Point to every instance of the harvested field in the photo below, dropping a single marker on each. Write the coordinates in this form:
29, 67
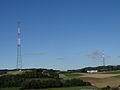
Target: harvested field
99, 75
101, 80
105, 82
96, 79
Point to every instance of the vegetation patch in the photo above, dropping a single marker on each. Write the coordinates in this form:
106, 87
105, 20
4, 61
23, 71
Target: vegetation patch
36, 84
40, 79
118, 76
70, 75
12, 88
68, 88
89, 78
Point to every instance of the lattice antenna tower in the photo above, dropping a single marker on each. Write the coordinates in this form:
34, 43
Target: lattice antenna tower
103, 57
19, 56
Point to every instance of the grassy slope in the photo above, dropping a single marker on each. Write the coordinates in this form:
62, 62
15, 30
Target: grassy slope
70, 75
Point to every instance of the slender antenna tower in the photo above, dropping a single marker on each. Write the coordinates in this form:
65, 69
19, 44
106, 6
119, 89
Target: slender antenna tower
103, 57
19, 57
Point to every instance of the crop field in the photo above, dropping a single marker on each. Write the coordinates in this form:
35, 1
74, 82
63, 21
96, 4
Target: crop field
70, 75
102, 80
99, 79
99, 75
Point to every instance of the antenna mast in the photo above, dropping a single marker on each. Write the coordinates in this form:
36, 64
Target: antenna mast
103, 57
19, 57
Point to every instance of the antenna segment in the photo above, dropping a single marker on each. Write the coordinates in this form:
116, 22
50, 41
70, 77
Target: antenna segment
103, 57
19, 57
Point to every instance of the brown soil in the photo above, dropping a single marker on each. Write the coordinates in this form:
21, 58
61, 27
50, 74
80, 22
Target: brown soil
99, 75
102, 80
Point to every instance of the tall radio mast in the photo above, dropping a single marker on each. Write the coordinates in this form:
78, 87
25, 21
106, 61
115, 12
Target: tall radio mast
103, 57
19, 56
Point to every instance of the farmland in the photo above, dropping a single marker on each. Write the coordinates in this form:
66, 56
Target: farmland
40, 79
97, 79
70, 75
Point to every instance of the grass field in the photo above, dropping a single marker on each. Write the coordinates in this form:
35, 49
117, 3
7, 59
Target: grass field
70, 75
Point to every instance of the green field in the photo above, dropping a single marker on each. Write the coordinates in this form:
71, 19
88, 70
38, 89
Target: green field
70, 75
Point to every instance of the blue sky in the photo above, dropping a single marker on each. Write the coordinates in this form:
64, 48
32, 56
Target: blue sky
59, 33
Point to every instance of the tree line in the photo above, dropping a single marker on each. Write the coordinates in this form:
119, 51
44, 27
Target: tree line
53, 83
99, 68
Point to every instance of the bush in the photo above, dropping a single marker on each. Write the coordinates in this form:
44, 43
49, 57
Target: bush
107, 88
